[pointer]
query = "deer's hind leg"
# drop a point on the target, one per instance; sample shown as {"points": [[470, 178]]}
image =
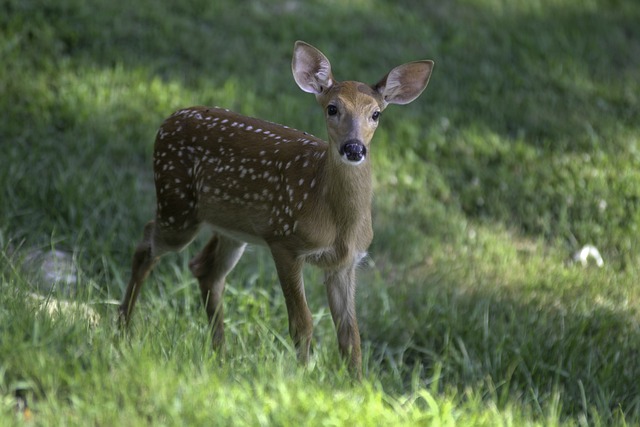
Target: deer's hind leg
{"points": [[211, 267], [157, 240]]}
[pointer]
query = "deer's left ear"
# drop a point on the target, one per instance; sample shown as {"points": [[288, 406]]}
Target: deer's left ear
{"points": [[404, 83], [311, 69]]}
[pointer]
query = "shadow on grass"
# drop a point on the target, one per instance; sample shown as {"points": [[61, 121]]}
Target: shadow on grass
{"points": [[509, 345]]}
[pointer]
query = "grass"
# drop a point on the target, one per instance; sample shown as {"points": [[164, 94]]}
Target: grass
{"points": [[524, 148]]}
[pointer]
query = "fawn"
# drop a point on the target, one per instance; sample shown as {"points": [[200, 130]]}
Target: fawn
{"points": [[258, 182]]}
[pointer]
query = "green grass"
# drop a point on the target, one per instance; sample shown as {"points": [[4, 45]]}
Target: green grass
{"points": [[524, 147]]}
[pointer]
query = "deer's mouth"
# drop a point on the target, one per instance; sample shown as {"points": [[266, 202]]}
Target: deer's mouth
{"points": [[353, 152]]}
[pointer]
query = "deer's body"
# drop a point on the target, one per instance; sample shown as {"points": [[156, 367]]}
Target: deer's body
{"points": [[224, 175], [258, 182]]}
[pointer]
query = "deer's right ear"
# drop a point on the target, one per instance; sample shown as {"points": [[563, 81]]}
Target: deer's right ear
{"points": [[405, 83], [311, 69]]}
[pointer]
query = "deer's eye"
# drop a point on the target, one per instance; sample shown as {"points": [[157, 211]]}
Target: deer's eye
{"points": [[375, 116], [332, 110]]}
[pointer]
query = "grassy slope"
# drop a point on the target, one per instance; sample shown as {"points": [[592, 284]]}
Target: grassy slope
{"points": [[524, 148]]}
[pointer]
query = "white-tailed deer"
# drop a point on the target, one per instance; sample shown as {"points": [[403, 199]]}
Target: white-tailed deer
{"points": [[254, 181]]}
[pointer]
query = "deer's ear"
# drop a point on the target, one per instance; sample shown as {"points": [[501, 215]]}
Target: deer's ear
{"points": [[405, 83], [311, 69]]}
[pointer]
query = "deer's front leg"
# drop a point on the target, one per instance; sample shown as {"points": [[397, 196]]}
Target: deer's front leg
{"points": [[341, 290], [289, 269]]}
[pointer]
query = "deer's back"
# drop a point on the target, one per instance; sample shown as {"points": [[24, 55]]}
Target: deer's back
{"points": [[250, 178]]}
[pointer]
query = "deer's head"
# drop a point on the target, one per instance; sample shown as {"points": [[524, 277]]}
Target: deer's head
{"points": [[352, 109]]}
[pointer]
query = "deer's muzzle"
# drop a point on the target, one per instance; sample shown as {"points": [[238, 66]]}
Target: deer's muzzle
{"points": [[353, 151]]}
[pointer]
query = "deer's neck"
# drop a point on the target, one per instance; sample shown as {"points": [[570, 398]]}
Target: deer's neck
{"points": [[349, 190], [348, 194]]}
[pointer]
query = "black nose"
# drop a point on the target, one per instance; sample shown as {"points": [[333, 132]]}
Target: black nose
{"points": [[353, 150]]}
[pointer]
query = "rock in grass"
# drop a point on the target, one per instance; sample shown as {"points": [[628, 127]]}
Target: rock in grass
{"points": [[53, 274], [51, 271]]}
